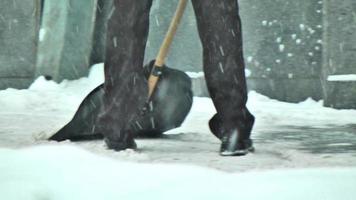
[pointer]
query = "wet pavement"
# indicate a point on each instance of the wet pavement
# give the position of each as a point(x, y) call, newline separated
point(327, 140)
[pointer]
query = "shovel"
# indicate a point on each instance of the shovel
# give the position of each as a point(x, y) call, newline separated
point(163, 51)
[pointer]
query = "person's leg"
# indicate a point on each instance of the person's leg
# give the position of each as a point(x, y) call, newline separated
point(219, 28)
point(125, 86)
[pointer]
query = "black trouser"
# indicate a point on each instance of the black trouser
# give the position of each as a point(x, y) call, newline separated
point(126, 89)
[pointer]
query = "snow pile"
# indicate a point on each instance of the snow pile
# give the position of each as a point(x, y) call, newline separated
point(195, 74)
point(48, 95)
point(64, 172)
point(201, 74)
point(342, 78)
point(310, 113)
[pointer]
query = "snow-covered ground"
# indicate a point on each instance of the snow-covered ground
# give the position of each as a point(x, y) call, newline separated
point(310, 149)
point(68, 173)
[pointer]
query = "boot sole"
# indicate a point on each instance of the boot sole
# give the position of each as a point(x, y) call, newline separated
point(240, 152)
point(120, 146)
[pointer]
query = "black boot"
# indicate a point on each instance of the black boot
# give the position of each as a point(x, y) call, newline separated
point(234, 142)
point(233, 145)
point(125, 142)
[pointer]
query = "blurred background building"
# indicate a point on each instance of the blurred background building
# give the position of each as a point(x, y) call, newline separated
point(293, 49)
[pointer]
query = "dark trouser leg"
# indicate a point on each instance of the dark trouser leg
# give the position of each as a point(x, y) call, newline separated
point(220, 32)
point(125, 86)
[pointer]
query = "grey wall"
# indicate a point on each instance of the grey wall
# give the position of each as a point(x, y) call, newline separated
point(339, 52)
point(99, 39)
point(66, 38)
point(185, 53)
point(283, 47)
point(19, 24)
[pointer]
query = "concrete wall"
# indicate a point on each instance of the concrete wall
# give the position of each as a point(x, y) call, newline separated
point(19, 24)
point(66, 38)
point(186, 51)
point(339, 55)
point(283, 47)
point(99, 39)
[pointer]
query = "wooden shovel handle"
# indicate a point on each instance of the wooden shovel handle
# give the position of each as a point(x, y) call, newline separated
point(163, 51)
